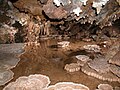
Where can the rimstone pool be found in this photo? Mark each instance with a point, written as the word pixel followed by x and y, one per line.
pixel 49 59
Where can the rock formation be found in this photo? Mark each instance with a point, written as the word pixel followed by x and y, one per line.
pixel 32 82
pixel 9 58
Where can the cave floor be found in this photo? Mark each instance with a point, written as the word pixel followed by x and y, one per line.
pixel 48 59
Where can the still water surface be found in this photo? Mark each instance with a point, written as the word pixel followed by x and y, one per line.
pixel 50 60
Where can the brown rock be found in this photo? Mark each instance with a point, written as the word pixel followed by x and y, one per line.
pixel 53 12
pixel 31 6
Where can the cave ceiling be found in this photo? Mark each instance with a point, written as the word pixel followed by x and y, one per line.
pixel 99 12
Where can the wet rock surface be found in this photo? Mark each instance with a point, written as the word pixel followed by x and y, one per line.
pixel 43 57
pixel 9 58
pixel 99 64
pixel 5 76
pixel 32 82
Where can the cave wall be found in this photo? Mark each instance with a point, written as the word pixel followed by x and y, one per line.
pixel 33 19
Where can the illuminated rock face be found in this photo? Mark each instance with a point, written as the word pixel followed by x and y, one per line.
pixel 94 48
pixel 63 44
pixel 118 1
pixel 88 13
pixel 63 2
pixel 98 4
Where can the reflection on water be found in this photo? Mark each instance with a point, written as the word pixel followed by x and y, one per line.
pixel 49 60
